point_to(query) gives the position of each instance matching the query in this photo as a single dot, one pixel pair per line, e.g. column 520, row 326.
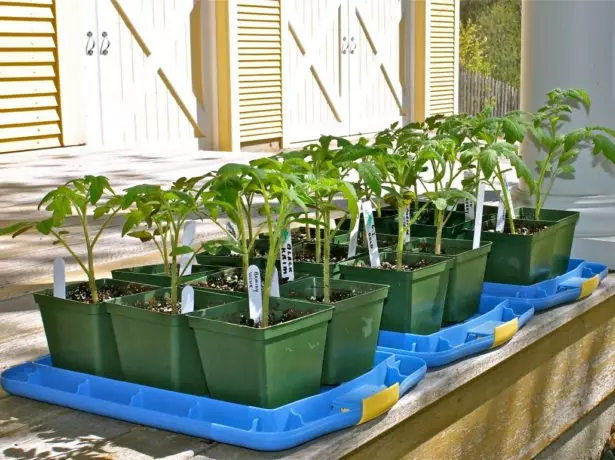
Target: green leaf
column 574, row 137
column 101, row 211
column 181, row 250
column 372, row 177
column 514, row 131
column 16, row 229
column 604, row 145
column 487, row 161
column 45, row 226
column 143, row 235
column 567, row 169
column 97, row 187
column 440, row 204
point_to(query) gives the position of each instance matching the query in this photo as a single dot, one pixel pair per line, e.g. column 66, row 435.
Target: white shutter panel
column 29, row 102
column 260, row 70
column 442, row 56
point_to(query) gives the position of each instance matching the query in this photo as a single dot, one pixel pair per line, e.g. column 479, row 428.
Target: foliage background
column 490, row 38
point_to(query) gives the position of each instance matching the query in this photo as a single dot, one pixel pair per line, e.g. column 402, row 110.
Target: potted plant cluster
column 77, row 326
column 240, row 327
column 531, row 248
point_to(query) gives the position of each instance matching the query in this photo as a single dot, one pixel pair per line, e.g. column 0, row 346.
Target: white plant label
column 354, row 234
column 230, row 227
column 187, row 300
column 506, row 191
column 370, row 231
column 286, row 256
column 255, row 295
column 501, row 219
column 406, row 217
column 275, row 284
column 478, row 223
column 468, row 205
column 59, row 278
column 187, row 240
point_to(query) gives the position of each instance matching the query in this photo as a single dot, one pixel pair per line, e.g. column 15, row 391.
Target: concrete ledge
column 510, row 403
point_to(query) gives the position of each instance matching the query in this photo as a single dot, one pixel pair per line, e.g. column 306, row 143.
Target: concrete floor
column 26, row 262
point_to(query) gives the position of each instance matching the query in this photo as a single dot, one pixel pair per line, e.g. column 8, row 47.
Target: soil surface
column 336, row 296
column 287, row 315
column 81, row 292
column 522, row 228
column 159, row 305
column 232, row 282
column 308, row 255
column 420, row 263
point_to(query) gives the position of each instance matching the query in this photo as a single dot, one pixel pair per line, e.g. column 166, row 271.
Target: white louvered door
column 376, row 96
column 316, row 99
column 260, row 69
column 135, row 99
column 442, row 65
column 29, row 94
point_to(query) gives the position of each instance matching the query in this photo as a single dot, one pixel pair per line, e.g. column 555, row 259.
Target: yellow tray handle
column 589, row 286
column 379, row 403
column 504, row 332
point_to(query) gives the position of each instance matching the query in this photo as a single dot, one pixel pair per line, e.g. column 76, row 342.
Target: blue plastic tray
column 496, row 323
column 351, row 403
column 581, row 279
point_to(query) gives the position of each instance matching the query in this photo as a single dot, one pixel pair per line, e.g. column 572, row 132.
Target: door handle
column 90, row 44
column 344, row 45
column 105, row 44
column 353, row 45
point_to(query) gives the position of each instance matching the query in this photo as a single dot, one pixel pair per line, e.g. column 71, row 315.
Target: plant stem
column 318, row 239
column 507, row 204
column 439, row 226
column 327, row 258
column 274, row 248
column 400, row 235
column 91, row 275
column 174, row 278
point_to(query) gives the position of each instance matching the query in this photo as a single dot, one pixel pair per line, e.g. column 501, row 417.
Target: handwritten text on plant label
column 370, row 230
column 286, row 257
column 255, row 298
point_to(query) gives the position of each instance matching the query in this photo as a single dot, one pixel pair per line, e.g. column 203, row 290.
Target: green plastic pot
column 158, row 349
column 266, row 367
column 454, row 226
column 353, row 331
column 224, row 258
column 154, row 274
column 416, row 299
column 566, row 222
column 298, row 235
column 231, row 272
column 79, row 335
column 520, row 259
column 314, row 269
column 465, row 283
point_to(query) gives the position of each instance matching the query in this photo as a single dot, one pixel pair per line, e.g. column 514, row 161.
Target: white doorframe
column 71, row 46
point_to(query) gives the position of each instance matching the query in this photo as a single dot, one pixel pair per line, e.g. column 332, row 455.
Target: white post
column 569, row 44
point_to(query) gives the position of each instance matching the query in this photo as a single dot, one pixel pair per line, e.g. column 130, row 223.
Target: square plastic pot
column 465, row 283
column 353, row 331
column 520, row 259
column 314, row 269
column 416, row 299
column 566, row 224
column 159, row 349
column 225, row 259
column 454, row 226
column 298, row 235
column 154, row 274
column 79, row 335
column 266, row 367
